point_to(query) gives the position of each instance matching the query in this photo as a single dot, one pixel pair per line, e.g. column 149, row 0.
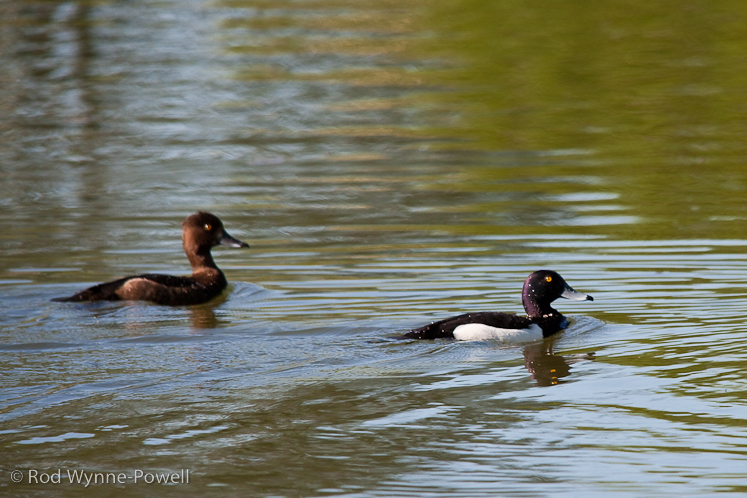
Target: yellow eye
column 548, row 278
column 208, row 226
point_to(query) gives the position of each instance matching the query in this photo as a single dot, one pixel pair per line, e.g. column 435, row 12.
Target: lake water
column 390, row 163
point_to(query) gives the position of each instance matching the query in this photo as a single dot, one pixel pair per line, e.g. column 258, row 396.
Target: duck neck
column 201, row 259
column 536, row 309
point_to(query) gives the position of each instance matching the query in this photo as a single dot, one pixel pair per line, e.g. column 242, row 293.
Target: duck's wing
column 170, row 280
column 445, row 328
column 113, row 291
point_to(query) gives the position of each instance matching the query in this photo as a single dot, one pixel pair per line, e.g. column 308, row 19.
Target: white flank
column 134, row 283
column 482, row 332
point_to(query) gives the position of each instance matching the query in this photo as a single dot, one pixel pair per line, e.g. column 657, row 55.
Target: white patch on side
column 138, row 289
column 482, row 332
column 133, row 284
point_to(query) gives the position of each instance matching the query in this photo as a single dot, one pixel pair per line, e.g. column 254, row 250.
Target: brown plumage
column 200, row 233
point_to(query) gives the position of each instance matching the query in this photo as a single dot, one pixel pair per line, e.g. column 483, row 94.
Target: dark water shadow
column 546, row 367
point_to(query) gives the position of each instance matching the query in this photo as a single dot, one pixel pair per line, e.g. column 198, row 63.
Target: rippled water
column 390, row 163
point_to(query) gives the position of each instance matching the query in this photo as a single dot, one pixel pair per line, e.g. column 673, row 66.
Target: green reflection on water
column 653, row 92
column 642, row 100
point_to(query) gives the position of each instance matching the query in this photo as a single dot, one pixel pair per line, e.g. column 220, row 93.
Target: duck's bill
column 229, row 241
column 574, row 295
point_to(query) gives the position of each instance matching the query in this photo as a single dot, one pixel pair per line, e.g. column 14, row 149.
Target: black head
column 206, row 230
column 543, row 287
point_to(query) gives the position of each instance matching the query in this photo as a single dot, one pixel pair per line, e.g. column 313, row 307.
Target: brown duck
column 200, row 233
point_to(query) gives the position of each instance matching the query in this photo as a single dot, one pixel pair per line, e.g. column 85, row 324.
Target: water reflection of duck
column 541, row 288
column 547, row 368
column 200, row 233
column 203, row 317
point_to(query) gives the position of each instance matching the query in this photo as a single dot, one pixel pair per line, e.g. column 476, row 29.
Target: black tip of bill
column 229, row 241
column 574, row 295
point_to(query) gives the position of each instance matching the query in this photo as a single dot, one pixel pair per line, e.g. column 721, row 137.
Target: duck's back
column 445, row 328
column 159, row 289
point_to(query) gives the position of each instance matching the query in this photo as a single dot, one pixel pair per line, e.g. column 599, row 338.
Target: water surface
column 390, row 163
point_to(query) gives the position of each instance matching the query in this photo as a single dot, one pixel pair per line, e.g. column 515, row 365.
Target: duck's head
column 543, row 287
column 205, row 230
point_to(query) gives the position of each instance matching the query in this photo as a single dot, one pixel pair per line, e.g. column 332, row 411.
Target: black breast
column 551, row 323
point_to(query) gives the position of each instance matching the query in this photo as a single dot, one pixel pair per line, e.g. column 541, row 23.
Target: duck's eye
column 208, row 226
column 548, row 278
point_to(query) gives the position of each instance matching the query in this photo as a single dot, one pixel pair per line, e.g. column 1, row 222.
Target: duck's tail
column 100, row 292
